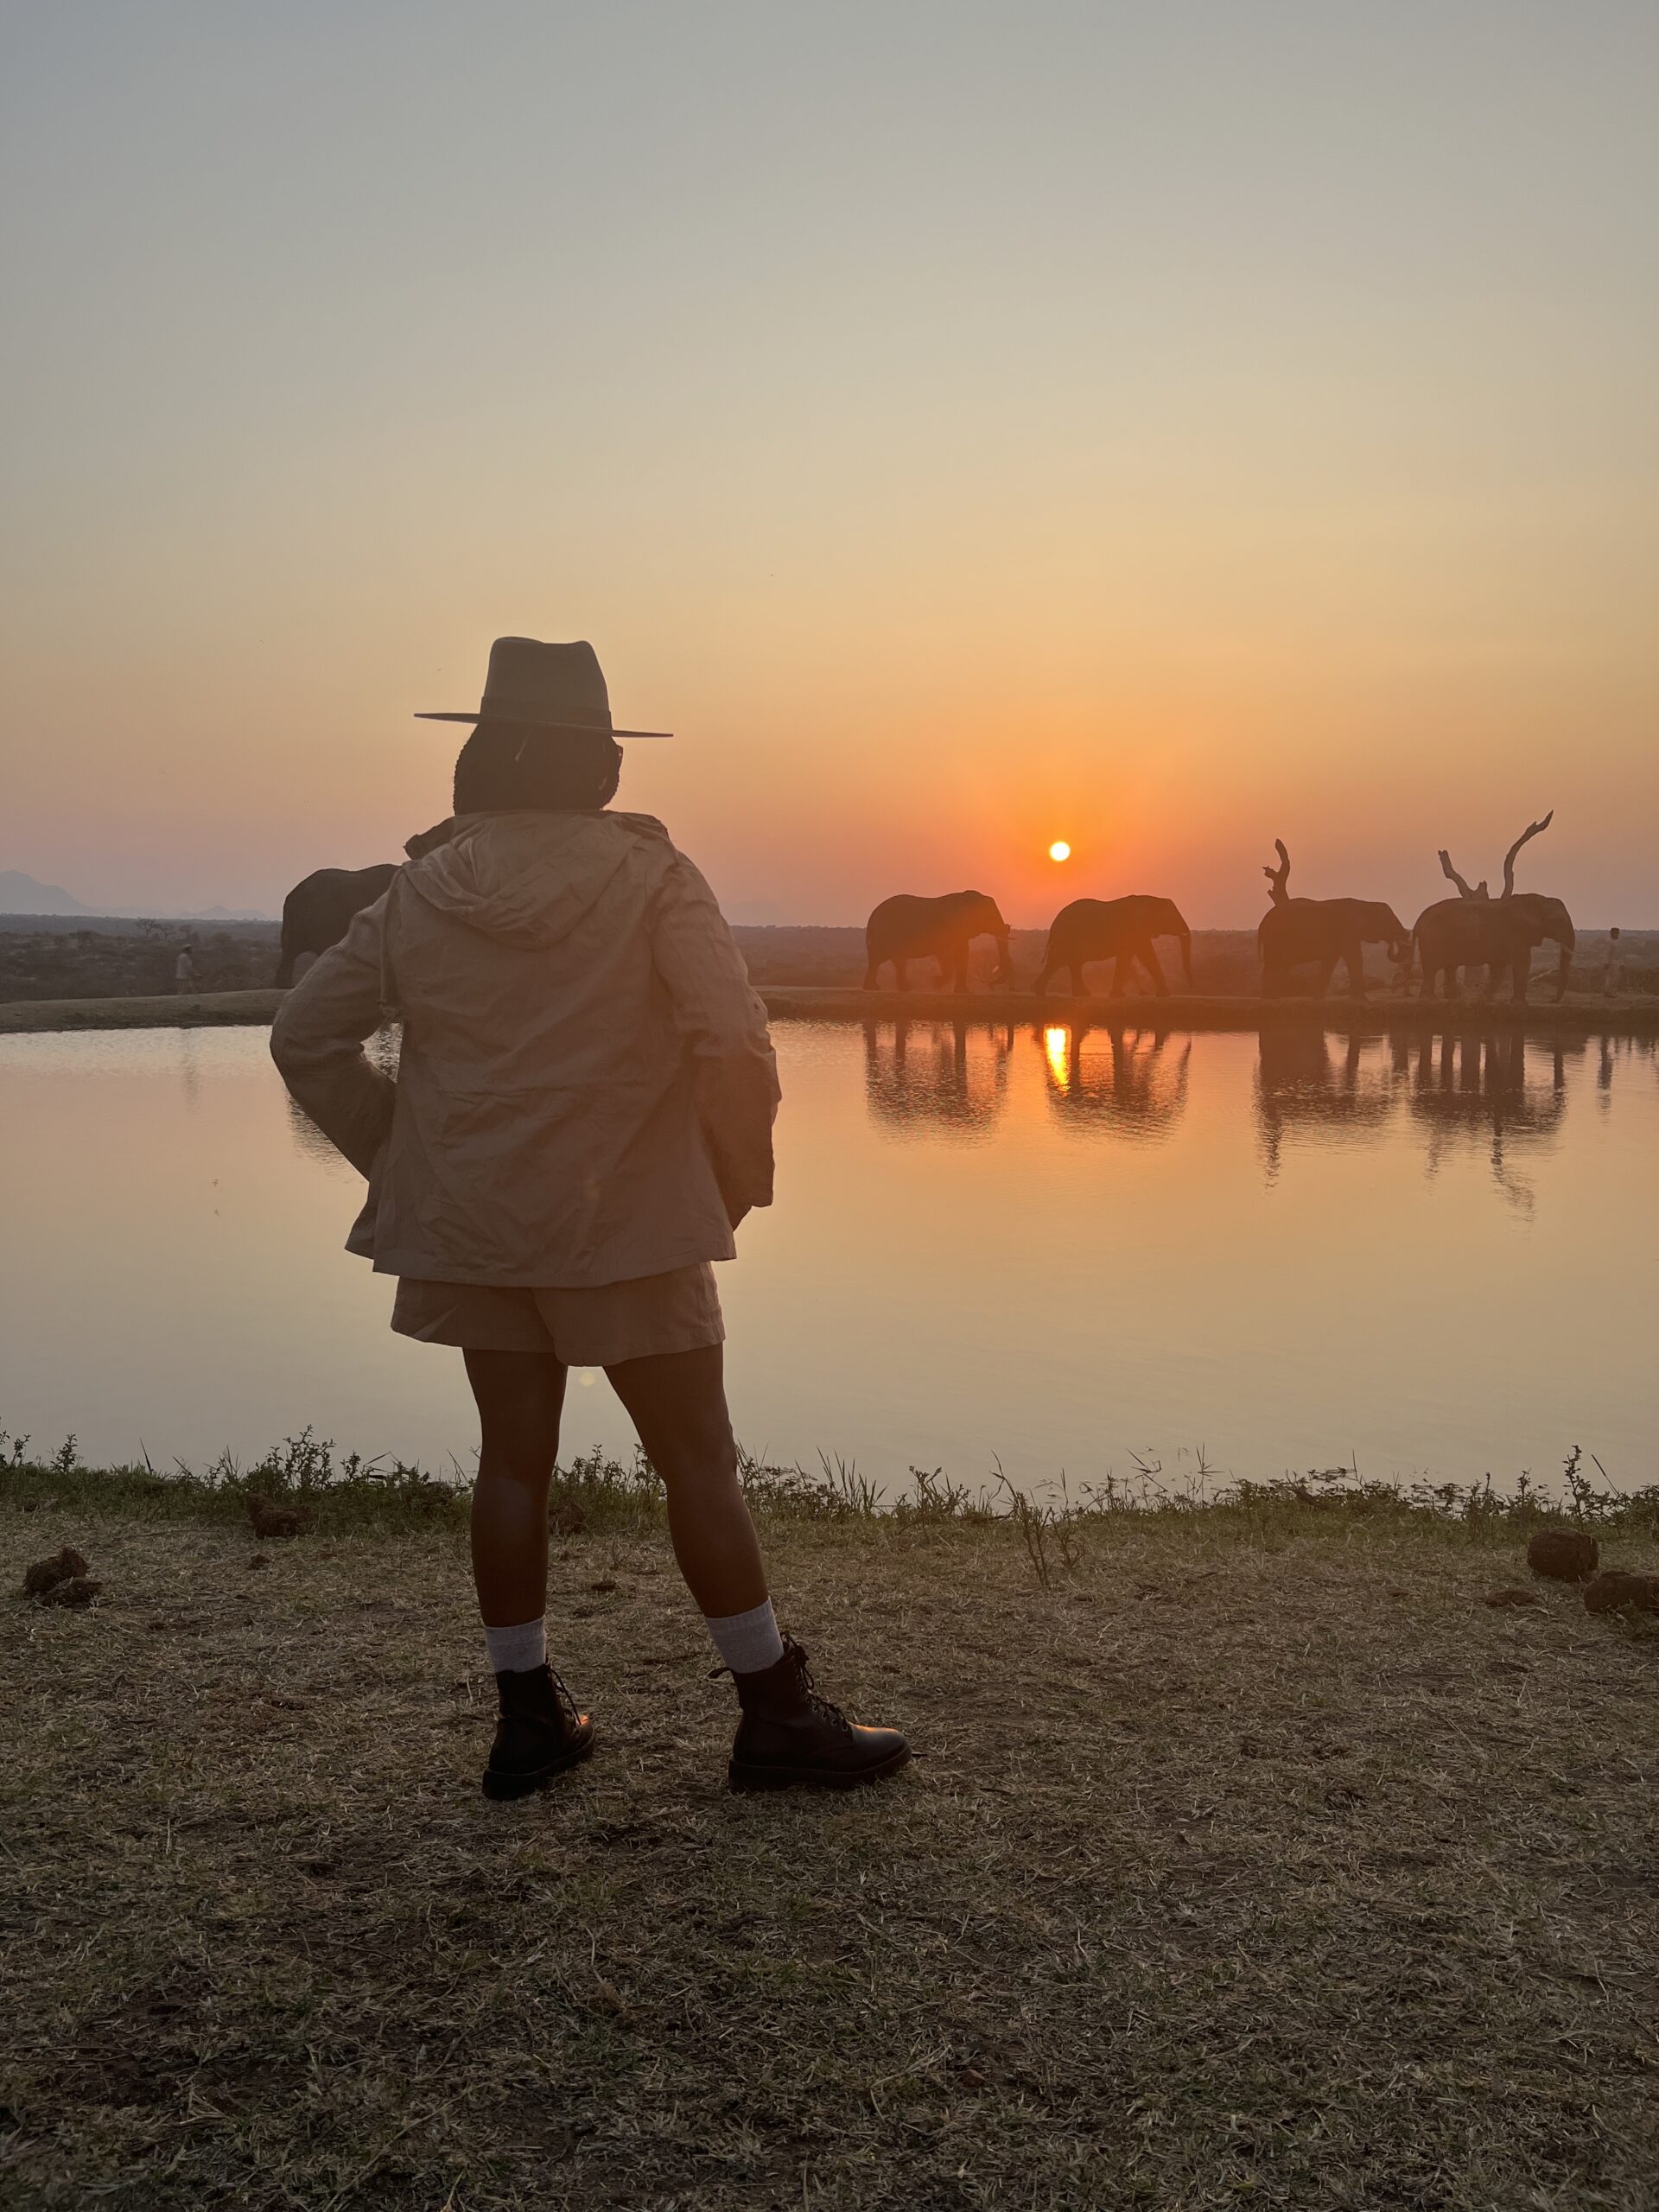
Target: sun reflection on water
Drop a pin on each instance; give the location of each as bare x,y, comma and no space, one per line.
1056,1046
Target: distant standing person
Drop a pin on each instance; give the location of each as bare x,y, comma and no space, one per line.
581,1118
1609,981
184,971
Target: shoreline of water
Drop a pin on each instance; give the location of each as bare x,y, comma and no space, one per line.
1581,1014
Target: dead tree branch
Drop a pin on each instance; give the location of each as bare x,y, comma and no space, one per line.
1533,829
1464,890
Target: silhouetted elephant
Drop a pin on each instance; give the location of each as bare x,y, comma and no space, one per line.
1120,930
906,928
317,912
1319,932
1495,934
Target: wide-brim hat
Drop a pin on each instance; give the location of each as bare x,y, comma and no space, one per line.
546,687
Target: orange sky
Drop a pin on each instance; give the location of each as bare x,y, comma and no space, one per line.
964,430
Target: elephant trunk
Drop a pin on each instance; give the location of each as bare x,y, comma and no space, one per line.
1004,973
285,970
1185,940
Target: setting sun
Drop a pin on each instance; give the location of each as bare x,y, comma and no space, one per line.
1059,850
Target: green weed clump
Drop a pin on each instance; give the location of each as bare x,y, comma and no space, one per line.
599,1492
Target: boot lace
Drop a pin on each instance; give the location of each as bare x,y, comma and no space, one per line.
821,1706
564,1699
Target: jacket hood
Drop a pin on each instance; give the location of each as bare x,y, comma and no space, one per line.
528,880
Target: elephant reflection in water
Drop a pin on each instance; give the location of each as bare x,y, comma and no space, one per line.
1306,1078
950,1075
1128,1077
1473,1085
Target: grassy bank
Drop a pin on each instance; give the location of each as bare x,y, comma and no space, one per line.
103,957
1578,1018
1249,1858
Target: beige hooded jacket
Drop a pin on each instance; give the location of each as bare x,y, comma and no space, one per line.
586,1089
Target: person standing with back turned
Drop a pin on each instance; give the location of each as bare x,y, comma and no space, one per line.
581,1116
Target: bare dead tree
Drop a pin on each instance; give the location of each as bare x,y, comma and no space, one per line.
1480,891
1533,829
1279,876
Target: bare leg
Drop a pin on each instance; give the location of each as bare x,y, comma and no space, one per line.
787,1737
520,1395
678,1404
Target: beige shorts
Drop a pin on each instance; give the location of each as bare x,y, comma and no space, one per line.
601,1328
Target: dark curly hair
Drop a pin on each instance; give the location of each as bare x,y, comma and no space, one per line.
512,768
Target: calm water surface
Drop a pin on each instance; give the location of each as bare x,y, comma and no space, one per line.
1061,1251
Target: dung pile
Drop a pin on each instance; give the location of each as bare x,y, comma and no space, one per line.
61,1580
1573,1555
1563,1554
274,1523
1616,1592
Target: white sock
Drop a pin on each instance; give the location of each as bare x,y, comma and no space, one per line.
747,1641
516,1650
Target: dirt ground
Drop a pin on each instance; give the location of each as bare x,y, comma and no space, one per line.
1256,1861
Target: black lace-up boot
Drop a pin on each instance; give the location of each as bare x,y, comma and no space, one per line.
789,1738
539,1733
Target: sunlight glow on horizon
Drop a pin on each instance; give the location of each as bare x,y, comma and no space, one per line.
1127,437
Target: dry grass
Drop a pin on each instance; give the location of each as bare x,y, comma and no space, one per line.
1256,1861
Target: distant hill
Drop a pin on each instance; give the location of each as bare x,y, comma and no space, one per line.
26,894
